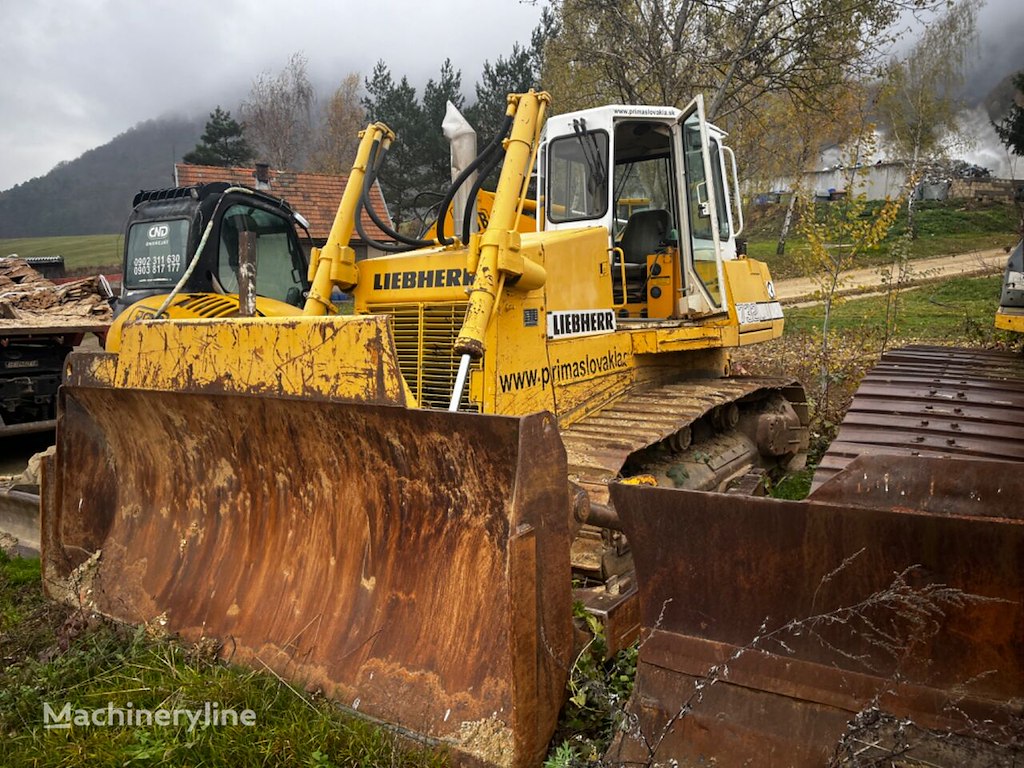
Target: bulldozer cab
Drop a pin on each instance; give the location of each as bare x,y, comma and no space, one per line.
167,227
657,180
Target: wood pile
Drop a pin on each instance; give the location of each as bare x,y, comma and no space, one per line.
27,295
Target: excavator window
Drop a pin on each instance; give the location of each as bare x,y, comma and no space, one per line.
721,203
643,177
157,253
577,176
644,196
279,265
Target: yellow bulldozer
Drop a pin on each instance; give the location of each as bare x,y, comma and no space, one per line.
399,505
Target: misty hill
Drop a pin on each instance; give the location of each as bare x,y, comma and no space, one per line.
92,195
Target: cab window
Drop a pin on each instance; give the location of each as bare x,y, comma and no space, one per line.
280,268
156,253
721,204
577,176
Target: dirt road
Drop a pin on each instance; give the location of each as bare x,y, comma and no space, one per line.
989,262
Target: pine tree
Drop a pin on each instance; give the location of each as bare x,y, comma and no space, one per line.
507,75
517,73
436,95
403,174
222,143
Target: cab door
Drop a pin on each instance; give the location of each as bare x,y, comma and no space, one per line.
700,240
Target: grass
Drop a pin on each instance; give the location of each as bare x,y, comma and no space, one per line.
52,654
943,311
18,600
794,486
83,254
599,687
943,227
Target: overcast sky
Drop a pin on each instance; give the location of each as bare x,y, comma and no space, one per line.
79,72
76,73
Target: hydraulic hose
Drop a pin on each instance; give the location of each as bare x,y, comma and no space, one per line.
489,155
386,247
467,221
431,210
373,165
368,180
481,158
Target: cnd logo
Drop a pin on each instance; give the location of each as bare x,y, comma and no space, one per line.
159,230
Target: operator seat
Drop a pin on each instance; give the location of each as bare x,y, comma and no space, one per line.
646,232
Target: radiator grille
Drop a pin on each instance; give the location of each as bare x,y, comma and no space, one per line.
210,305
425,336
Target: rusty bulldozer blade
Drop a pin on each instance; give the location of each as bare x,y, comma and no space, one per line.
413,565
769,624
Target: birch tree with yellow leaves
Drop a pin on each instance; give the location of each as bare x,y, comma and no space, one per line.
837,234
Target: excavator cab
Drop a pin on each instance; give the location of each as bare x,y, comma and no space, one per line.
167,227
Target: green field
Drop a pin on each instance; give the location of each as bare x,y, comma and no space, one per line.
945,311
83,254
943,227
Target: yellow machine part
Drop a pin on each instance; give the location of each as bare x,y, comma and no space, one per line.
484,203
527,367
1007,320
188,306
412,564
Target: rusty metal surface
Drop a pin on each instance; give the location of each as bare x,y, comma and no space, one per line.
598,445
798,606
934,401
618,613
414,565
929,484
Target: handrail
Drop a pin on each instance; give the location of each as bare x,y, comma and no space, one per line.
622,270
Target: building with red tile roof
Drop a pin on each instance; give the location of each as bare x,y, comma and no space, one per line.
314,195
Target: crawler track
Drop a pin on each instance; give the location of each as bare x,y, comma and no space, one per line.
934,401
599,445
